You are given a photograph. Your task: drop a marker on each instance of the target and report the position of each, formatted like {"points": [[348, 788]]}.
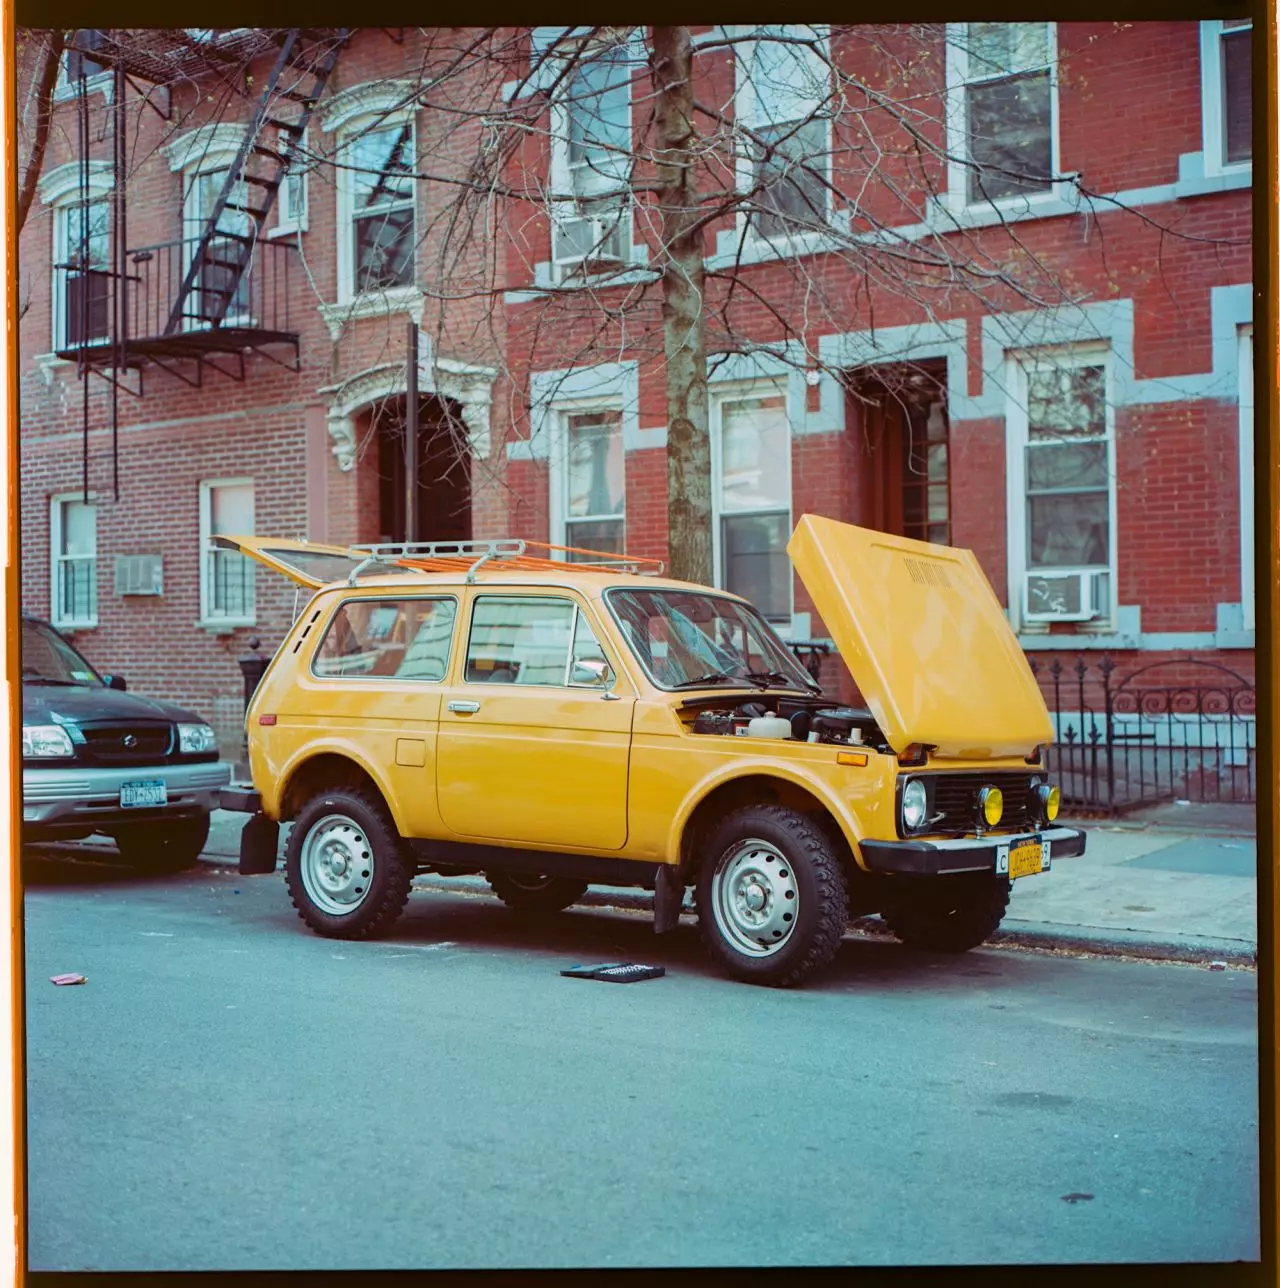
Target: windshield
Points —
{"points": [[684, 639], [48, 659]]}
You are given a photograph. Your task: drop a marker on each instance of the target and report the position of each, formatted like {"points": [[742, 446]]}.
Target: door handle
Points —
{"points": [[464, 708]]}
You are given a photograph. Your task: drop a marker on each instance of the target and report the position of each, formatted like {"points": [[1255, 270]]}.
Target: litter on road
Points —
{"points": [[66, 979], [615, 972]]}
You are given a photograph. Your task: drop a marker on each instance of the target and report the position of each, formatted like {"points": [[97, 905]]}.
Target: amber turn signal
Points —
{"points": [[851, 757]]}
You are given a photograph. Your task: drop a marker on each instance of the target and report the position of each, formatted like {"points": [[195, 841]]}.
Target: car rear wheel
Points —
{"points": [[772, 896], [948, 914], [345, 865], [169, 846], [524, 892]]}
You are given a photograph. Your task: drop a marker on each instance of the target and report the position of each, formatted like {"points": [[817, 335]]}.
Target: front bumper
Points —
{"points": [[80, 798], [981, 854]]}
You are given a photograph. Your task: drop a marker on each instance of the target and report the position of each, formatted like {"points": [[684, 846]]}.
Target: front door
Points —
{"points": [[535, 736]]}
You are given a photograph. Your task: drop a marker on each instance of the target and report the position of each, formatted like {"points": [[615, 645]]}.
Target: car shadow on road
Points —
{"points": [[68, 864], [595, 934]]}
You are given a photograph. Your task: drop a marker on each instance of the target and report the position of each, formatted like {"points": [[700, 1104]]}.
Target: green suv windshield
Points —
{"points": [[48, 659], [688, 640]]}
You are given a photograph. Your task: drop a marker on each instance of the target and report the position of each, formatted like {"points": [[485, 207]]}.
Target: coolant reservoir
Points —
{"points": [[769, 727]]}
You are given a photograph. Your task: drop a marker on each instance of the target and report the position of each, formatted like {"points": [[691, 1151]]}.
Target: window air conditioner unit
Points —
{"points": [[595, 238], [139, 574], [1062, 596]]}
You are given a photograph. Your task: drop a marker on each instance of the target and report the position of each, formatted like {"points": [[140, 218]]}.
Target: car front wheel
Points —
{"points": [[163, 847], [772, 896], [345, 865]]}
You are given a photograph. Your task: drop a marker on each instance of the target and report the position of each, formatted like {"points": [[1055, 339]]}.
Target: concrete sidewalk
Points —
{"points": [[1172, 882]]}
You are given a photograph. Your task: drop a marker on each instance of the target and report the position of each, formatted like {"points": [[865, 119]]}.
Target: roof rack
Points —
{"points": [[471, 556]]}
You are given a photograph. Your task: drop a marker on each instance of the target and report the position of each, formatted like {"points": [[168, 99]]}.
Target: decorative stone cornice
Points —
{"points": [[389, 100], [62, 184], [217, 143], [376, 304]]}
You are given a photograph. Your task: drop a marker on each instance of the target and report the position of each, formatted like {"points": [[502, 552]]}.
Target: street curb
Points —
{"points": [[1038, 936]]}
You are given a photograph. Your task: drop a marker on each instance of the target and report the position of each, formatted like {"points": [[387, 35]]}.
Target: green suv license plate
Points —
{"points": [[149, 792]]}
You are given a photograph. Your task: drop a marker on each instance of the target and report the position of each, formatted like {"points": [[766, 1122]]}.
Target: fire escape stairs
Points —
{"points": [[203, 299]]}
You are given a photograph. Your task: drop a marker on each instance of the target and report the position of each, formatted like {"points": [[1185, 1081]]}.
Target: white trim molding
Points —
{"points": [[61, 185], [1212, 96], [212, 147], [384, 102]]}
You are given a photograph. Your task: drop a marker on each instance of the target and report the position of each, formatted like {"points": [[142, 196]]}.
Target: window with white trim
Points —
{"points": [[380, 220], [291, 199], [751, 496], [783, 97], [82, 273], [226, 576], [594, 483], [209, 303], [591, 160], [1226, 72], [1247, 579], [78, 61], [1062, 487], [73, 543], [1005, 81]]}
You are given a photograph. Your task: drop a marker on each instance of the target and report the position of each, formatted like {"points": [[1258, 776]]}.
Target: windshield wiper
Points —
{"points": [[776, 679], [714, 677], [45, 679]]}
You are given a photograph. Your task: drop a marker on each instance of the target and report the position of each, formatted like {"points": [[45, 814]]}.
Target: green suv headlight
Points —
{"points": [[41, 742], [195, 737]]}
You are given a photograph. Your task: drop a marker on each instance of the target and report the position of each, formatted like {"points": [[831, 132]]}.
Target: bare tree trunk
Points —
{"points": [[683, 315], [45, 79]]}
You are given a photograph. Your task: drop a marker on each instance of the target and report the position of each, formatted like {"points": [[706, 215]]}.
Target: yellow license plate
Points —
{"points": [[1026, 859]]}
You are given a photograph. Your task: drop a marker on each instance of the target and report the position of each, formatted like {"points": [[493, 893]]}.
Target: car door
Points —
{"points": [[535, 734]]}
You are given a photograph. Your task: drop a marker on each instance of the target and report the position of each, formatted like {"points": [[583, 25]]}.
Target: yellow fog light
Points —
{"points": [[990, 805], [1050, 801]]}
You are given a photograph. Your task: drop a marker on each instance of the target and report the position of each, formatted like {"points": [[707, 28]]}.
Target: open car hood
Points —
{"points": [[924, 638]]}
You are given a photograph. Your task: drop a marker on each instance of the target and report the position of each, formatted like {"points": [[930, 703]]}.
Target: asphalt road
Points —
{"points": [[230, 1091]]}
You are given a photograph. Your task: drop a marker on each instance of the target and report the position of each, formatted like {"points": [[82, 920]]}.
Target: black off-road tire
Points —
{"points": [[948, 914], [385, 865], [810, 869], [535, 894], [168, 846]]}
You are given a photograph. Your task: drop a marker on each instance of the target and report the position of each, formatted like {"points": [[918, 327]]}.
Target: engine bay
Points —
{"points": [[790, 719]]}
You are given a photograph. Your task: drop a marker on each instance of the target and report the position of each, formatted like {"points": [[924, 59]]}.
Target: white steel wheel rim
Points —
{"points": [[754, 898], [337, 865]]}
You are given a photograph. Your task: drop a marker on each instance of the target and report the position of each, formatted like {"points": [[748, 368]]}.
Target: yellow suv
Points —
{"points": [[469, 707]]}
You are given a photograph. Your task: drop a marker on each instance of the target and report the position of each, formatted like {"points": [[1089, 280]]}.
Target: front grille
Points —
{"points": [[955, 796], [105, 744]]}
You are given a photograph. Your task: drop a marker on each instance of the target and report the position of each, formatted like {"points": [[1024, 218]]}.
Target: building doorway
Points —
{"points": [[899, 416], [443, 495]]}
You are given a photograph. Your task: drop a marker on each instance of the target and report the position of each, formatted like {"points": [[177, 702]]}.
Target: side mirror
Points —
{"points": [[115, 682], [591, 671]]}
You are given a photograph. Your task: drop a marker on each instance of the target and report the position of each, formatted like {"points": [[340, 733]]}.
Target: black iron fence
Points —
{"points": [[1172, 730]]}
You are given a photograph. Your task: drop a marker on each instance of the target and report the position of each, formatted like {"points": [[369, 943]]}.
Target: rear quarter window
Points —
{"points": [[402, 639]]}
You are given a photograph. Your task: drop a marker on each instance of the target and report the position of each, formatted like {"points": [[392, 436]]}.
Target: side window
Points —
{"points": [[403, 639], [520, 641]]}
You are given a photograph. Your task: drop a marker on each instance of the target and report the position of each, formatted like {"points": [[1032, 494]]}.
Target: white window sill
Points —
{"points": [[953, 209], [225, 625], [736, 246], [374, 304], [72, 628], [1196, 178], [286, 230]]}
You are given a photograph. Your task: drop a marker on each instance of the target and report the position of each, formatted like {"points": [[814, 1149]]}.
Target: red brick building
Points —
{"points": [[1096, 451]]}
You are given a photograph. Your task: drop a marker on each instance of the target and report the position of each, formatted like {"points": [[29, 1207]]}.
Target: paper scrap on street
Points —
{"points": [[66, 979]]}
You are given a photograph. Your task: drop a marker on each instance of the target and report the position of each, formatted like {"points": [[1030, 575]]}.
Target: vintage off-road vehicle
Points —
{"points": [[462, 708]]}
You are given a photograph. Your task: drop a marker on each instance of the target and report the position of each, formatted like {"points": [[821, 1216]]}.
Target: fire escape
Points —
{"points": [[222, 290]]}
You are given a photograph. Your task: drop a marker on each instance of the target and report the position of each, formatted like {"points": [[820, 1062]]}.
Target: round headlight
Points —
{"points": [[915, 805], [1049, 800], [990, 806]]}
